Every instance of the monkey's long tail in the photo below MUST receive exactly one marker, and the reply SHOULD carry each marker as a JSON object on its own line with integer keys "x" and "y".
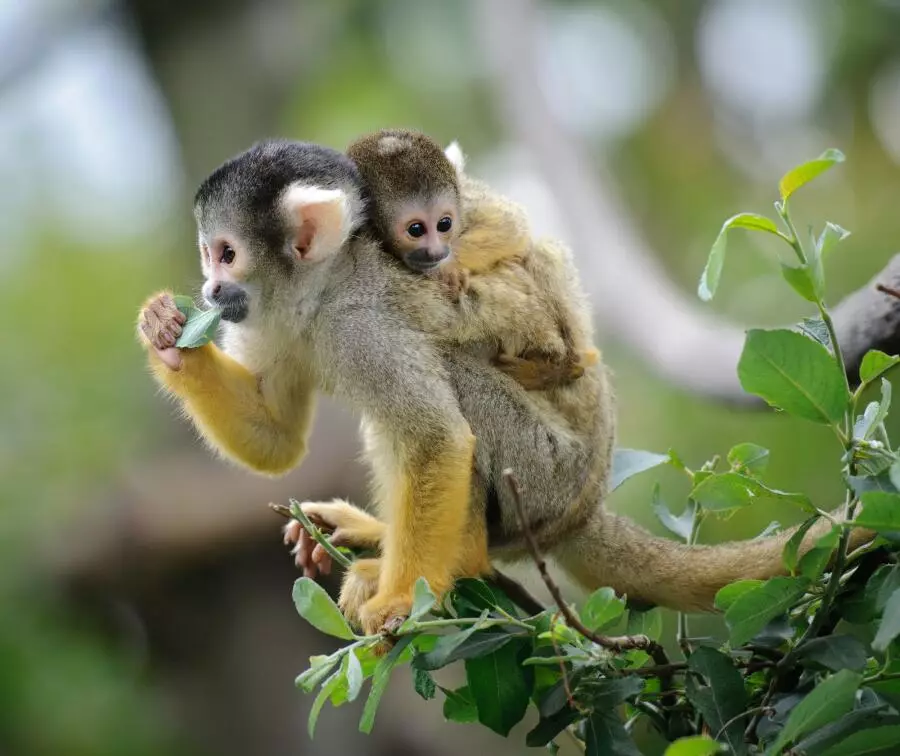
{"x": 614, "y": 551}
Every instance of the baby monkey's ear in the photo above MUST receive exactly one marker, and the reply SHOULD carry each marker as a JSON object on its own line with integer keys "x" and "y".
{"x": 321, "y": 220}
{"x": 455, "y": 155}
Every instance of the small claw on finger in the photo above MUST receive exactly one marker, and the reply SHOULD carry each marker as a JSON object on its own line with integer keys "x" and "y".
{"x": 392, "y": 624}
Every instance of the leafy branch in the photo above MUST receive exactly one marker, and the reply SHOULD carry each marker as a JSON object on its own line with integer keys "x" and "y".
{"x": 809, "y": 663}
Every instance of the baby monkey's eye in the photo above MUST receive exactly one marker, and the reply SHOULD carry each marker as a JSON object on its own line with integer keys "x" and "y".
{"x": 415, "y": 230}
{"x": 227, "y": 254}
{"x": 444, "y": 224}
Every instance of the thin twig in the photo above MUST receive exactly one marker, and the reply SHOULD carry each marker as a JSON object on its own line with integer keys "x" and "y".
{"x": 759, "y": 710}
{"x": 888, "y": 290}
{"x": 562, "y": 668}
{"x": 295, "y": 513}
{"x": 617, "y": 643}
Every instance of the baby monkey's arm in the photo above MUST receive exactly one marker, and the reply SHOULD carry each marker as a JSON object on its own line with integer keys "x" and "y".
{"x": 496, "y": 234}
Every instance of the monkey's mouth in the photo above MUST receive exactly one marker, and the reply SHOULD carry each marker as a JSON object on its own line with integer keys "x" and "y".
{"x": 235, "y": 310}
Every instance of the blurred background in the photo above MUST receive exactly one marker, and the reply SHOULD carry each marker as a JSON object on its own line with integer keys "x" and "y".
{"x": 144, "y": 595}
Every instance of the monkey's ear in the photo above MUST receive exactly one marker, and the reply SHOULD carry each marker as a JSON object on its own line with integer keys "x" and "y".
{"x": 321, "y": 218}
{"x": 455, "y": 155}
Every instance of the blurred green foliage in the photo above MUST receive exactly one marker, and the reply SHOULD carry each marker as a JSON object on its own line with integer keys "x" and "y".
{"x": 79, "y": 409}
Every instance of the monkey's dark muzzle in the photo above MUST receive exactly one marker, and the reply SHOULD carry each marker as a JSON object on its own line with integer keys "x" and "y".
{"x": 232, "y": 300}
{"x": 425, "y": 259}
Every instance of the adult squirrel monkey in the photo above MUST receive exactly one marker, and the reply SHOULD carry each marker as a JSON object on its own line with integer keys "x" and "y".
{"x": 312, "y": 304}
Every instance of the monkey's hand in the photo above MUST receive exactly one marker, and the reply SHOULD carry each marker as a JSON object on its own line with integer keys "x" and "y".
{"x": 347, "y": 525}
{"x": 455, "y": 277}
{"x": 159, "y": 326}
{"x": 541, "y": 373}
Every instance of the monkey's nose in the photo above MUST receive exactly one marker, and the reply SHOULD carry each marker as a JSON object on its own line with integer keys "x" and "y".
{"x": 426, "y": 257}
{"x": 212, "y": 290}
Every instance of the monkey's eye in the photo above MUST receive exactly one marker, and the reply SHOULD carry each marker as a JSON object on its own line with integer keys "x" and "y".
{"x": 445, "y": 224}
{"x": 227, "y": 254}
{"x": 416, "y": 230}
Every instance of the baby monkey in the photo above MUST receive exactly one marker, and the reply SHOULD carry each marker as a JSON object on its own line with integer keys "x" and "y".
{"x": 441, "y": 223}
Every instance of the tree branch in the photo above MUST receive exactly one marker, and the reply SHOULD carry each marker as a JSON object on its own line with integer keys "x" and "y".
{"x": 614, "y": 643}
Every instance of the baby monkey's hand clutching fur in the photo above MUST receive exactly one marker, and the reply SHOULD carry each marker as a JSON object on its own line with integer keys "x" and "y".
{"x": 442, "y": 223}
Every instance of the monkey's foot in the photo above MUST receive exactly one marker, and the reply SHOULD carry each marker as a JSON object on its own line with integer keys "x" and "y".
{"x": 384, "y": 612}
{"x": 360, "y": 584}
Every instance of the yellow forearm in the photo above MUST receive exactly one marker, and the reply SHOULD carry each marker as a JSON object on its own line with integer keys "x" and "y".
{"x": 228, "y": 406}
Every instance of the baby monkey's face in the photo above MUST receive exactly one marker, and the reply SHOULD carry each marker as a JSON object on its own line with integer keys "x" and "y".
{"x": 423, "y": 229}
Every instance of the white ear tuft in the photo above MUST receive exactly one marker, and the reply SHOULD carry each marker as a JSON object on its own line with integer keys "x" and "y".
{"x": 322, "y": 220}
{"x": 455, "y": 155}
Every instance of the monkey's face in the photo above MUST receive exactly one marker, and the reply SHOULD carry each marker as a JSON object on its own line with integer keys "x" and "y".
{"x": 226, "y": 265}
{"x": 422, "y": 231}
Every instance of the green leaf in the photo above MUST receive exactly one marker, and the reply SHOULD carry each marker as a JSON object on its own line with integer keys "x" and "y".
{"x": 709, "y": 281}
{"x": 483, "y": 594}
{"x": 459, "y": 706}
{"x": 607, "y": 693}
{"x": 482, "y": 643}
{"x": 790, "y": 554}
{"x": 184, "y": 303}
{"x": 696, "y": 745}
{"x": 549, "y": 727}
{"x": 722, "y": 699}
{"x": 832, "y": 234}
{"x": 730, "y": 490}
{"x": 874, "y": 364}
{"x": 629, "y": 462}
{"x": 199, "y": 328}
{"x": 317, "y": 608}
{"x": 835, "y": 652}
{"x": 354, "y": 675}
{"x": 443, "y": 652}
{"x": 795, "y": 374}
{"x": 647, "y": 623}
{"x": 813, "y": 563}
{"x": 380, "y": 681}
{"x": 816, "y": 330}
{"x": 890, "y": 623}
{"x": 802, "y": 281}
{"x": 750, "y": 457}
{"x": 601, "y": 608}
{"x": 320, "y": 668}
{"x": 881, "y": 511}
{"x": 423, "y": 602}
{"x": 830, "y": 699}
{"x": 726, "y": 596}
{"x": 878, "y": 741}
{"x": 501, "y": 686}
{"x": 328, "y": 688}
{"x": 753, "y": 610}
{"x": 423, "y": 682}
{"x": 680, "y": 525}
{"x": 871, "y": 712}
{"x": 605, "y": 735}
{"x": 803, "y": 174}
